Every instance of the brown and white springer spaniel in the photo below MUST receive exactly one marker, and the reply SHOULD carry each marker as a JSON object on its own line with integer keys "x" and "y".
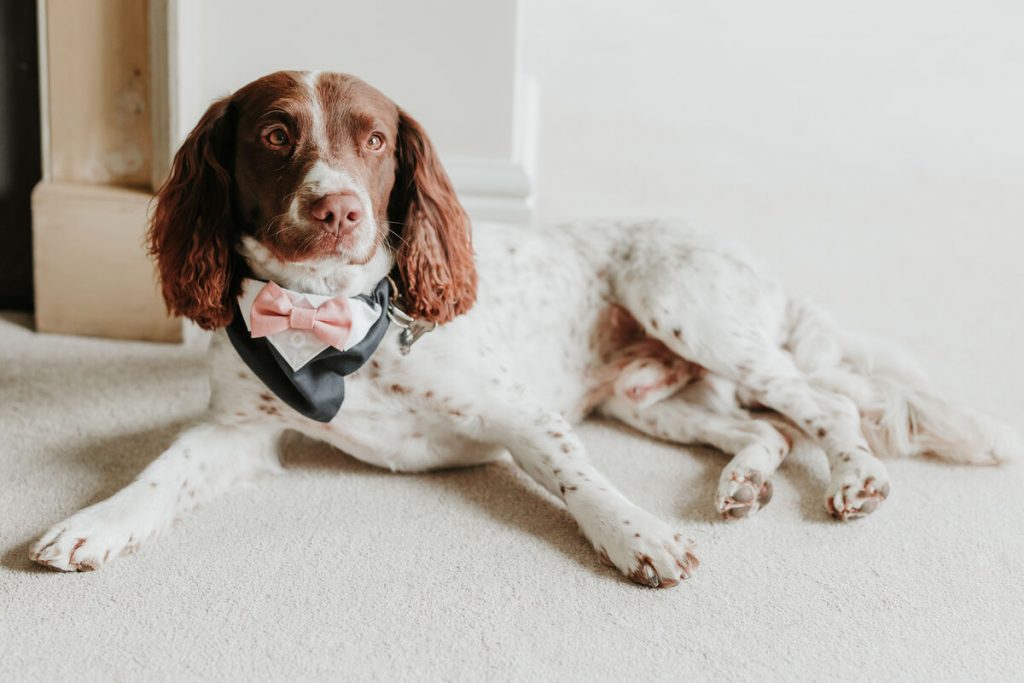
{"x": 320, "y": 183}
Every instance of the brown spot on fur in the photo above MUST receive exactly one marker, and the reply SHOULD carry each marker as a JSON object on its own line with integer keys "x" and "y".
{"x": 399, "y": 389}
{"x": 566, "y": 448}
{"x": 78, "y": 544}
{"x": 266, "y": 397}
{"x": 822, "y": 432}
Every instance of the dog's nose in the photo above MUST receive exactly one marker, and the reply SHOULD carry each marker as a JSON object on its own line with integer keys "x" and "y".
{"x": 337, "y": 213}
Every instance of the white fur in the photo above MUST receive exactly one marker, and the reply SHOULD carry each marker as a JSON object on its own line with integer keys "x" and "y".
{"x": 519, "y": 368}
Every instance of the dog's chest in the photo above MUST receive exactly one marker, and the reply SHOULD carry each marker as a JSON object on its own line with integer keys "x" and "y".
{"x": 394, "y": 419}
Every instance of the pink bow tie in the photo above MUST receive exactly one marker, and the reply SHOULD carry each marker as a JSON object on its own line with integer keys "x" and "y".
{"x": 273, "y": 311}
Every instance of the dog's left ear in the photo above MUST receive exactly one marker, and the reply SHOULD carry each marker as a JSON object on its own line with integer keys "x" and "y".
{"x": 433, "y": 250}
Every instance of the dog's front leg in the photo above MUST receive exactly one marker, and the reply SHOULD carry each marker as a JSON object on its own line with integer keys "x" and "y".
{"x": 640, "y": 545}
{"x": 203, "y": 462}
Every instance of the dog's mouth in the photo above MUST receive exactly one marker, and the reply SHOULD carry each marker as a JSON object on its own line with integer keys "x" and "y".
{"x": 298, "y": 243}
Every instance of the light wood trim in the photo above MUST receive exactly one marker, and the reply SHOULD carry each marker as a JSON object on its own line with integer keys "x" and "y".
{"x": 98, "y": 78}
{"x": 107, "y": 136}
{"x": 162, "y": 32}
{"x": 91, "y": 273}
{"x": 44, "y": 88}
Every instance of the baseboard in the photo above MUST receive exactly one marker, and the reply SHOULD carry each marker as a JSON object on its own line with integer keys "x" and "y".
{"x": 92, "y": 274}
{"x": 502, "y": 189}
{"x": 491, "y": 190}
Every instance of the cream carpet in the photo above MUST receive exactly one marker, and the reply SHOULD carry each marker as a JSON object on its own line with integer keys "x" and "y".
{"x": 335, "y": 570}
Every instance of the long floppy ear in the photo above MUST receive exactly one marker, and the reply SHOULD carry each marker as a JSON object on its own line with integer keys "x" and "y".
{"x": 435, "y": 252}
{"x": 192, "y": 233}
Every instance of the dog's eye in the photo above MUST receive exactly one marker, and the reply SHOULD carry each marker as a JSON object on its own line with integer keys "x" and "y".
{"x": 276, "y": 138}
{"x": 375, "y": 142}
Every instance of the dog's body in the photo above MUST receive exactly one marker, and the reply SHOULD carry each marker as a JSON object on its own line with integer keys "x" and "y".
{"x": 662, "y": 328}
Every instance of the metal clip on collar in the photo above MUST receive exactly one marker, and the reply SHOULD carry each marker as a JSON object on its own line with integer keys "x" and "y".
{"x": 412, "y": 329}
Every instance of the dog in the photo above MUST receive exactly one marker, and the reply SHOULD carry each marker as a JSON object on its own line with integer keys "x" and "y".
{"x": 315, "y": 186}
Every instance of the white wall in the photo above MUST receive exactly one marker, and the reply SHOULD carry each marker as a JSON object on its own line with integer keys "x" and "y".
{"x": 453, "y": 64}
{"x": 871, "y": 151}
{"x": 788, "y": 95}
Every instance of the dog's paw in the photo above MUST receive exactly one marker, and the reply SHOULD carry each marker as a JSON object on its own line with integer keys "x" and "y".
{"x": 85, "y": 541}
{"x": 853, "y": 493}
{"x": 741, "y": 492}
{"x": 645, "y": 549}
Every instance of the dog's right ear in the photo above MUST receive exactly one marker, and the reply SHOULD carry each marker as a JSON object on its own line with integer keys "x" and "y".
{"x": 192, "y": 235}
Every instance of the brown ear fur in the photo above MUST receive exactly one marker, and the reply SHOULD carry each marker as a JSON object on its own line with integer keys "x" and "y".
{"x": 434, "y": 253}
{"x": 192, "y": 233}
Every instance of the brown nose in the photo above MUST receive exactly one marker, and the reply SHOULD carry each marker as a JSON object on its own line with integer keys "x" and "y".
{"x": 337, "y": 213}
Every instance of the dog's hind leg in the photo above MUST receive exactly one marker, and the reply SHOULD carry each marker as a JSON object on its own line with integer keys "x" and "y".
{"x": 711, "y": 306}
{"x": 705, "y": 412}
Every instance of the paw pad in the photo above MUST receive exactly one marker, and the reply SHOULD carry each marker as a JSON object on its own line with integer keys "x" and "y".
{"x": 849, "y": 503}
{"x": 743, "y": 495}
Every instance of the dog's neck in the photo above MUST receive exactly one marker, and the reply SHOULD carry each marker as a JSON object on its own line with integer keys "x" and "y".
{"x": 328, "y": 277}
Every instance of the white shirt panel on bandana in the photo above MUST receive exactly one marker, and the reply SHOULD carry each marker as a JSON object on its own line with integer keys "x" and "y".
{"x": 298, "y": 347}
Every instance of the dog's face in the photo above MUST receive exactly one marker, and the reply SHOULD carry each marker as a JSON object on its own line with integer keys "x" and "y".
{"x": 314, "y": 167}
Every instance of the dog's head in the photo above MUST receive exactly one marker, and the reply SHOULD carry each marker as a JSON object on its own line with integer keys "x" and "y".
{"x": 315, "y": 168}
